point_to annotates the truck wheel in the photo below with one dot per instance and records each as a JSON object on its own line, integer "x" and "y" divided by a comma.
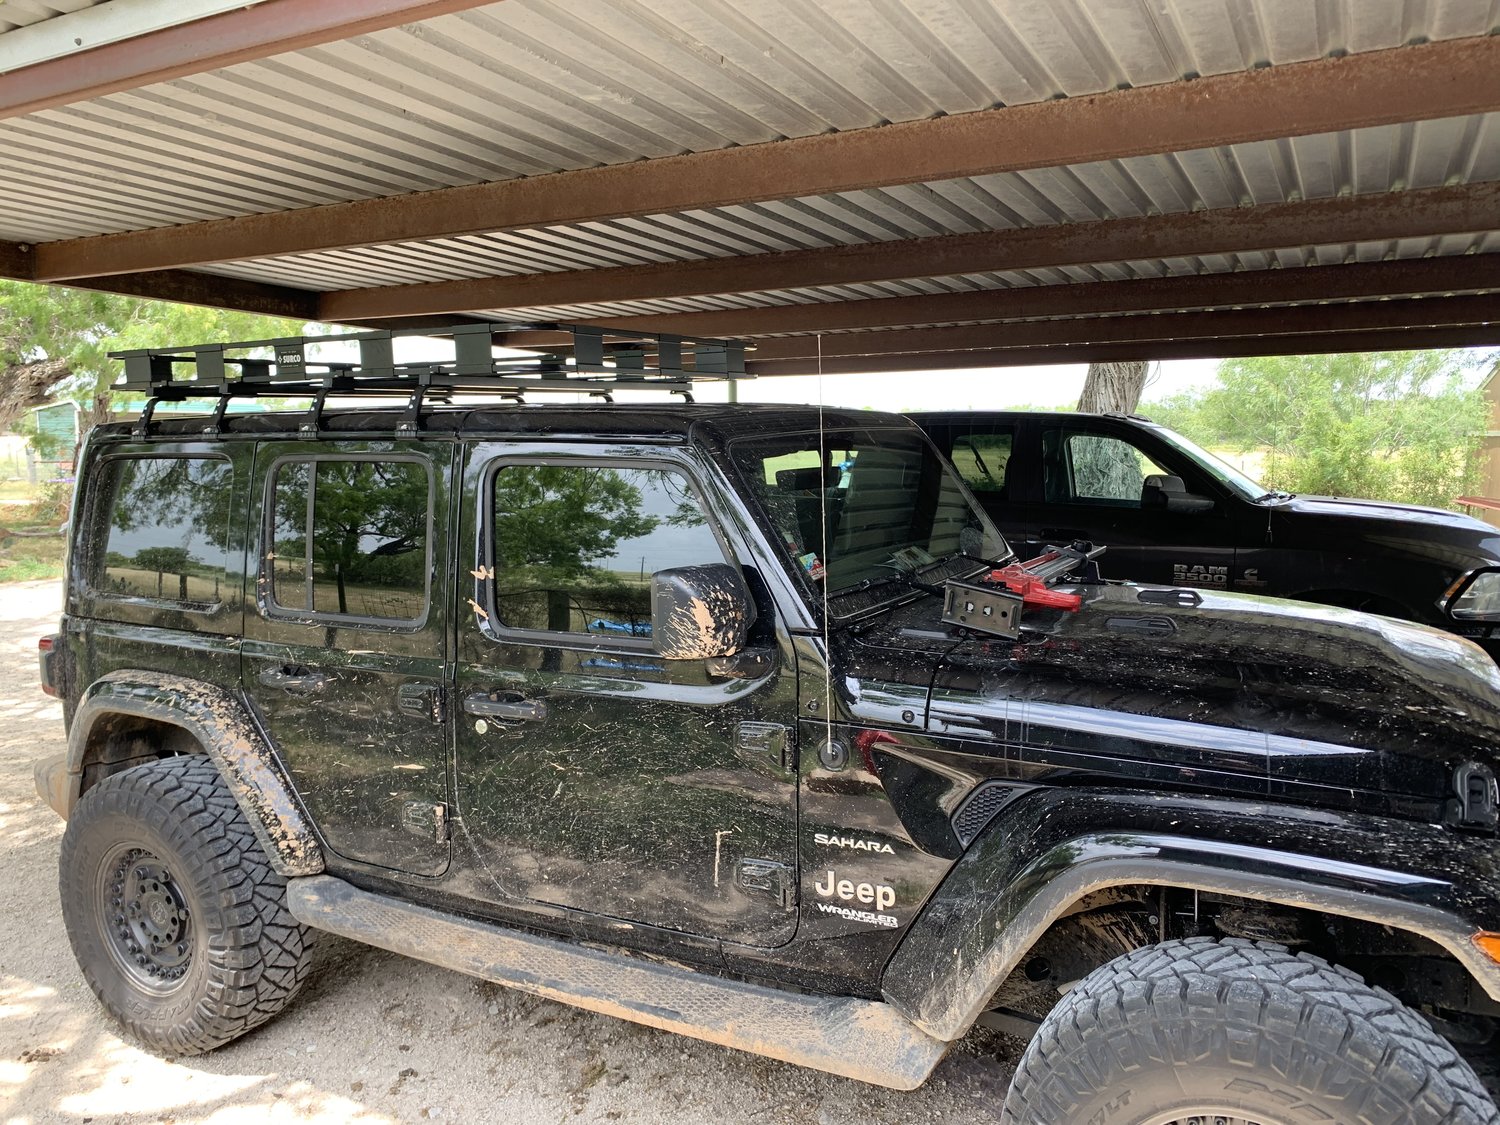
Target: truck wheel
{"x": 173, "y": 911}
{"x": 1235, "y": 1032}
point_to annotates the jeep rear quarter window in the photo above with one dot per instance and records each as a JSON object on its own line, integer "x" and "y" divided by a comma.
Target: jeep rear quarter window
{"x": 350, "y": 538}
{"x": 575, "y": 545}
{"x": 168, "y": 530}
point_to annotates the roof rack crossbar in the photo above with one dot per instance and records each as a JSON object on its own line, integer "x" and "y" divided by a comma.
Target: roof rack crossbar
{"x": 574, "y": 358}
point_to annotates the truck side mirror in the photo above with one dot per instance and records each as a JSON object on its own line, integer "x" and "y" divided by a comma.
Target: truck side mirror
{"x": 1163, "y": 491}
{"x": 699, "y": 612}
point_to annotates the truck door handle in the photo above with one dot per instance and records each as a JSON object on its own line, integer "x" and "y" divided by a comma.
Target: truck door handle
{"x": 505, "y": 705}
{"x": 294, "y": 679}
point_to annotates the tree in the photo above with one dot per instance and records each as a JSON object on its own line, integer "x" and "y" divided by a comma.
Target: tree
{"x": 1115, "y": 386}
{"x": 165, "y": 560}
{"x": 1402, "y": 426}
{"x": 55, "y": 342}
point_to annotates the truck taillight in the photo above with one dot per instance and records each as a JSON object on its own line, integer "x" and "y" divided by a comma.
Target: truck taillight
{"x": 43, "y": 651}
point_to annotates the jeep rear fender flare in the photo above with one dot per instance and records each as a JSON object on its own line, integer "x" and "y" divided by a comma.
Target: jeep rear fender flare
{"x": 222, "y": 725}
{"x": 1046, "y": 852}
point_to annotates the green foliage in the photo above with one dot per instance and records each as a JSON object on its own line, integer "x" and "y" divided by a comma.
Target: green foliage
{"x": 50, "y": 508}
{"x": 1401, "y": 426}
{"x": 80, "y": 328}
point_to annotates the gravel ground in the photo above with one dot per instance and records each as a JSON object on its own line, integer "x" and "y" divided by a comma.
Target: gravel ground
{"x": 374, "y": 1037}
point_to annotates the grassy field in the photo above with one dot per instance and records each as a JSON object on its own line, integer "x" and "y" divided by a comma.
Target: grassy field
{"x": 26, "y": 559}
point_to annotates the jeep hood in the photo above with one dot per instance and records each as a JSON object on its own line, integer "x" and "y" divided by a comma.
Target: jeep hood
{"x": 1238, "y": 693}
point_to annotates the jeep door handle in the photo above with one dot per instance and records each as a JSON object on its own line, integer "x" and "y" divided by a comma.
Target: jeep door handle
{"x": 294, "y": 680}
{"x": 505, "y": 705}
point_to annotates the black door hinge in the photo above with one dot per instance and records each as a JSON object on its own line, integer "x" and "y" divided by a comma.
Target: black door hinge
{"x": 422, "y": 818}
{"x": 423, "y": 701}
{"x": 761, "y": 744}
{"x": 767, "y": 877}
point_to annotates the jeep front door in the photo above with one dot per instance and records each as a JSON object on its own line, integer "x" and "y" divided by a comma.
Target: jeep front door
{"x": 592, "y": 773}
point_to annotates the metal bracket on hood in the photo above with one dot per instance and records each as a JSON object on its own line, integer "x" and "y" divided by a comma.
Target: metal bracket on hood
{"x": 985, "y": 609}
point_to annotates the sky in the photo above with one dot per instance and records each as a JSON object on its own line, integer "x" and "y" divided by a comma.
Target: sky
{"x": 989, "y": 388}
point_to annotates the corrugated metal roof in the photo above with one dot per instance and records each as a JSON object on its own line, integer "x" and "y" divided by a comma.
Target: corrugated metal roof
{"x": 25, "y": 13}
{"x": 1426, "y": 154}
{"x": 532, "y": 86}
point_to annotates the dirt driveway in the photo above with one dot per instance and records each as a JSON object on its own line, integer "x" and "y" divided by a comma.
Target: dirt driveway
{"x": 375, "y": 1037}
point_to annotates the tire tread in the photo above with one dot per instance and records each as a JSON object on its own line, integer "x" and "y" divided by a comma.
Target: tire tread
{"x": 1153, "y": 1003}
{"x": 259, "y": 955}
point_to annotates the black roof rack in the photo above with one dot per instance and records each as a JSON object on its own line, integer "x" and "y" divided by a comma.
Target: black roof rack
{"x": 537, "y": 357}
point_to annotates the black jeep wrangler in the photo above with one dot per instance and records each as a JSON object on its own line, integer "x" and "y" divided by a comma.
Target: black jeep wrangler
{"x": 743, "y": 722}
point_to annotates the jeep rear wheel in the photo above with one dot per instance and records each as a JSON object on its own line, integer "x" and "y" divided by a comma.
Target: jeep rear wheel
{"x": 174, "y": 913}
{"x": 1239, "y": 1033}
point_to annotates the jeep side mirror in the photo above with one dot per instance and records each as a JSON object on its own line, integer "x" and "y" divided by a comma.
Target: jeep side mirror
{"x": 700, "y": 612}
{"x": 1162, "y": 491}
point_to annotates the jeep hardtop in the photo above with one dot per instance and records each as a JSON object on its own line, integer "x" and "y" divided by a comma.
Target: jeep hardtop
{"x": 744, "y": 722}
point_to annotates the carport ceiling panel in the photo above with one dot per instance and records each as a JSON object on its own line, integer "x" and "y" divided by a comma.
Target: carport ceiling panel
{"x": 1366, "y": 161}
{"x": 28, "y": 13}
{"x": 527, "y": 87}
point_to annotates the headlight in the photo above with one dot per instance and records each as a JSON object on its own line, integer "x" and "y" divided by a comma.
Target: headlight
{"x": 1477, "y": 597}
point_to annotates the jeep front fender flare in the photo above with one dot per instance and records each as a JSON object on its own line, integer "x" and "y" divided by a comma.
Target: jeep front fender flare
{"x": 1046, "y": 851}
{"x": 223, "y": 727}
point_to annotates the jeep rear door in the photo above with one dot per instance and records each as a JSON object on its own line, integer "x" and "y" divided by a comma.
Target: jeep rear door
{"x": 344, "y": 650}
{"x": 592, "y": 774}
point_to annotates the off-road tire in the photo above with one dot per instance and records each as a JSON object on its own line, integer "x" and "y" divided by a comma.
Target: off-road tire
{"x": 1238, "y": 1031}
{"x": 170, "y": 837}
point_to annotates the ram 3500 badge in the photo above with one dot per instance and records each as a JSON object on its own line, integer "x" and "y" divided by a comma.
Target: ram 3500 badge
{"x": 547, "y": 694}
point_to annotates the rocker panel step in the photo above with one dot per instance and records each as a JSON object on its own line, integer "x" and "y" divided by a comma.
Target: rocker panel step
{"x": 861, "y": 1039}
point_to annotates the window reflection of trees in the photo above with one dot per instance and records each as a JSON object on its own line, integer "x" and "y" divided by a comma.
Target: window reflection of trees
{"x": 368, "y": 552}
{"x": 563, "y": 545}
{"x": 169, "y": 529}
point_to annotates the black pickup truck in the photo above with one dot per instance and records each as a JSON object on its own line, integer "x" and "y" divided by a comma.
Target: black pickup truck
{"x": 1172, "y": 512}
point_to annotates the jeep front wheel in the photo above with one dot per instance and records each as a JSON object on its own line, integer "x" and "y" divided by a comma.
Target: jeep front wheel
{"x": 175, "y": 915}
{"x": 1237, "y": 1032}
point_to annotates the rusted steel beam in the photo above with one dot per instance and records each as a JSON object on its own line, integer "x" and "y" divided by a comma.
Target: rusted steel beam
{"x": 255, "y": 32}
{"x": 1316, "y": 222}
{"x": 1459, "y": 273}
{"x": 190, "y": 288}
{"x": 16, "y": 261}
{"x": 1359, "y": 316}
{"x": 186, "y": 287}
{"x": 1316, "y": 344}
{"x": 1410, "y": 83}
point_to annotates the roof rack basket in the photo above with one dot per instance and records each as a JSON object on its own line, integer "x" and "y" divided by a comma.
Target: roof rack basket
{"x": 505, "y": 358}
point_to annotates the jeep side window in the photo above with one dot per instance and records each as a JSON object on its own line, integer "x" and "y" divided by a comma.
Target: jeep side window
{"x": 575, "y": 545}
{"x": 349, "y": 537}
{"x": 168, "y": 529}
{"x": 1098, "y": 469}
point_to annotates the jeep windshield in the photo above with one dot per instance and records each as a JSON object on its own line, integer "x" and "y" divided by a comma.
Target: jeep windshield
{"x": 875, "y": 511}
